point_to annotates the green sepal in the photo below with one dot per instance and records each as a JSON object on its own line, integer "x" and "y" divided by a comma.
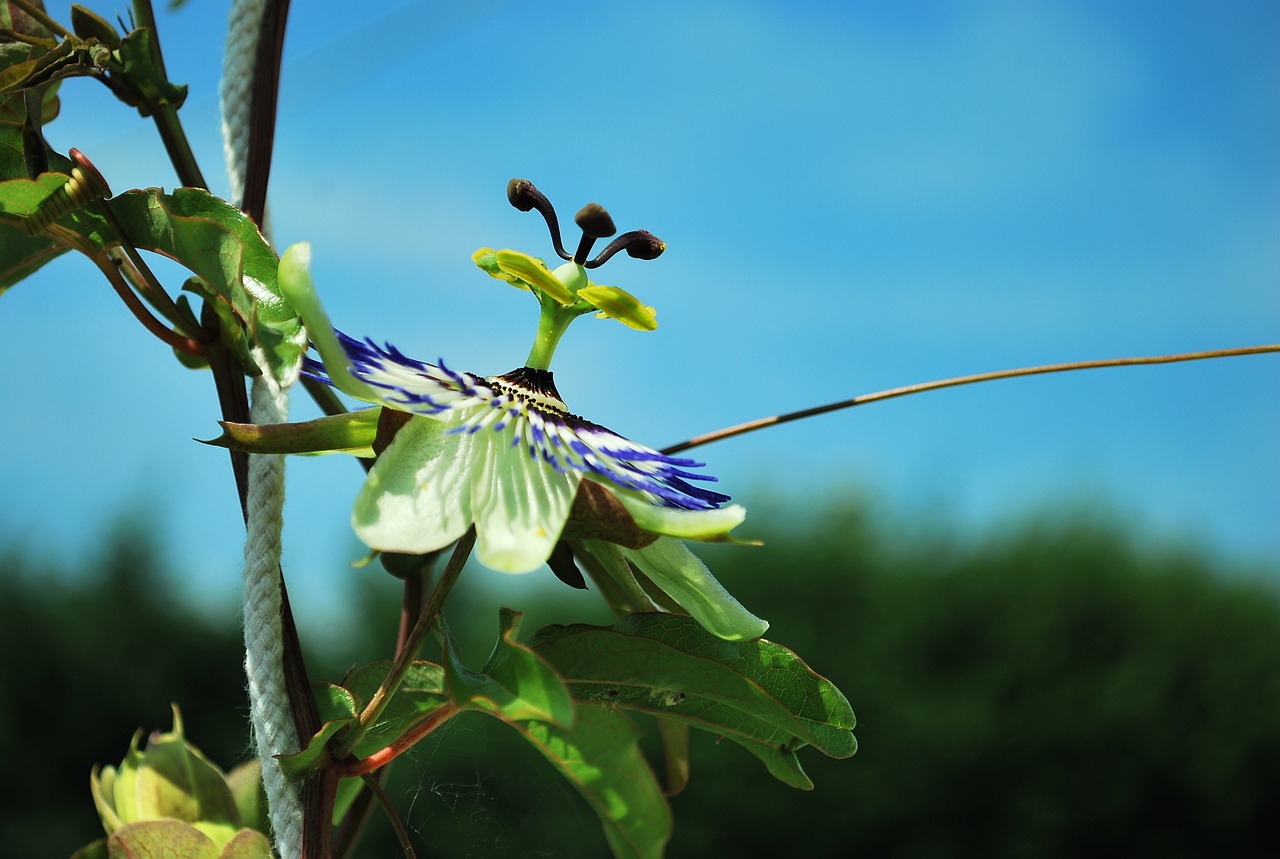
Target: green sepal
{"x": 616, "y": 303}
{"x": 299, "y": 290}
{"x": 523, "y": 271}
{"x": 168, "y": 779}
{"x": 668, "y": 563}
{"x": 351, "y": 432}
{"x": 516, "y": 684}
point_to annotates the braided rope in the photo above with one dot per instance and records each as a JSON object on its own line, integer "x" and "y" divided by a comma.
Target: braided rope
{"x": 269, "y": 713}
{"x": 237, "y": 85}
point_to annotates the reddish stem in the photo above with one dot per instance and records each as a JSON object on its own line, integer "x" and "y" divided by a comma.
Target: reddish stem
{"x": 362, "y": 766}
{"x": 139, "y": 310}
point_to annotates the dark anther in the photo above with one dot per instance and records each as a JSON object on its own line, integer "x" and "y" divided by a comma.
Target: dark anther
{"x": 524, "y": 196}
{"x": 640, "y": 244}
{"x": 596, "y": 224}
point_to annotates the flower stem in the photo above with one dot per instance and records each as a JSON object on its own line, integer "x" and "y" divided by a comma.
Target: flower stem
{"x": 166, "y": 115}
{"x": 939, "y": 384}
{"x": 552, "y": 324}
{"x": 400, "y": 666}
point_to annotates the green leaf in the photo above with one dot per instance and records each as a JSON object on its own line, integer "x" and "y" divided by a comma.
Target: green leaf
{"x": 516, "y": 683}
{"x": 668, "y": 563}
{"x": 601, "y": 757}
{"x": 178, "y": 781}
{"x": 21, "y": 253}
{"x": 141, "y": 71}
{"x": 212, "y": 238}
{"x": 754, "y": 692}
{"x": 351, "y": 432}
{"x": 235, "y": 264}
{"x": 338, "y": 708}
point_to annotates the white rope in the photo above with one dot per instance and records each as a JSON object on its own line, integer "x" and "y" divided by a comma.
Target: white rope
{"x": 269, "y": 713}
{"x": 237, "y": 85}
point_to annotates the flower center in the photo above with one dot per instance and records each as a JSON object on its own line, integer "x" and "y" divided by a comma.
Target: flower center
{"x": 534, "y": 387}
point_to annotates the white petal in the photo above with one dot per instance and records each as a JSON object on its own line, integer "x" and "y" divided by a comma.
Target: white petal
{"x": 675, "y": 522}
{"x": 417, "y": 497}
{"x": 520, "y": 505}
{"x": 672, "y": 567}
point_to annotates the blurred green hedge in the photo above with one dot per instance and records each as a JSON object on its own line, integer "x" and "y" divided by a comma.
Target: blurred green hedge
{"x": 1064, "y": 690}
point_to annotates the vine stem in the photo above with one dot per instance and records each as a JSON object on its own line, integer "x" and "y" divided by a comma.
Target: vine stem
{"x": 956, "y": 381}
{"x": 169, "y": 337}
{"x": 165, "y": 115}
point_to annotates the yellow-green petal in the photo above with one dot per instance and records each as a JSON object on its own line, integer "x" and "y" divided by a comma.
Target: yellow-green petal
{"x": 534, "y": 272}
{"x": 621, "y": 305}
{"x": 487, "y": 259}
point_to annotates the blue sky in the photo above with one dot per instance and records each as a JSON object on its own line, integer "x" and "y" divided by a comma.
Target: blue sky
{"x": 854, "y": 196}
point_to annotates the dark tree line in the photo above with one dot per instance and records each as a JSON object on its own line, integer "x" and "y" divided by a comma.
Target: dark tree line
{"x": 1059, "y": 692}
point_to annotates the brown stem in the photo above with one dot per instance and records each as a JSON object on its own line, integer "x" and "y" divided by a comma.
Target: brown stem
{"x": 761, "y": 423}
{"x": 262, "y": 109}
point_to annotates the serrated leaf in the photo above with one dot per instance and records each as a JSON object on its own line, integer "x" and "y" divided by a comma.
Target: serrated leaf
{"x": 754, "y": 692}
{"x": 516, "y": 683}
{"x": 600, "y": 756}
{"x": 351, "y": 432}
